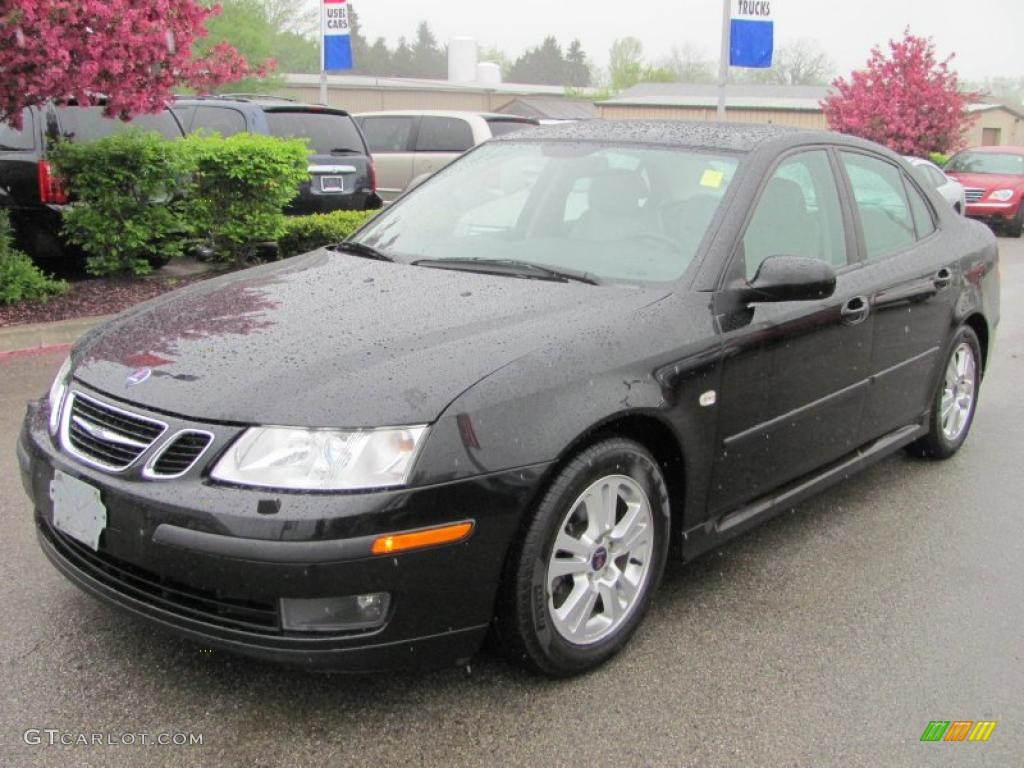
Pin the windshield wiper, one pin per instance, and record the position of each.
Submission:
(361, 249)
(510, 267)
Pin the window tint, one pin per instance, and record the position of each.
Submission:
(501, 127)
(89, 123)
(444, 134)
(15, 139)
(798, 214)
(326, 131)
(387, 134)
(222, 120)
(922, 212)
(881, 200)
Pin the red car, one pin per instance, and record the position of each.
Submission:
(993, 180)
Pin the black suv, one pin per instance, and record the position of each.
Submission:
(30, 192)
(342, 176)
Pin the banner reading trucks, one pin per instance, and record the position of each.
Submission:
(751, 33)
(337, 44)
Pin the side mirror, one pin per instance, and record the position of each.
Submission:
(791, 278)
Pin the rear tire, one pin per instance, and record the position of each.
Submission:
(581, 577)
(955, 399)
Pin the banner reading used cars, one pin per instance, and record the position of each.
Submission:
(751, 33)
(335, 30)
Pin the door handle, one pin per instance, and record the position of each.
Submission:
(943, 278)
(855, 310)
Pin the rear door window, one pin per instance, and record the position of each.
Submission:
(387, 133)
(444, 134)
(13, 139)
(326, 132)
(223, 120)
(89, 123)
(882, 203)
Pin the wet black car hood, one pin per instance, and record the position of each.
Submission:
(333, 340)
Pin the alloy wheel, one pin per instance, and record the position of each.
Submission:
(958, 391)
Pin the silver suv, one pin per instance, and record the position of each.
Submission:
(408, 144)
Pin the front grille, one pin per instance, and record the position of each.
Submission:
(179, 454)
(108, 437)
(972, 194)
(153, 589)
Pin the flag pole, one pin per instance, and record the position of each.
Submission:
(723, 62)
(323, 57)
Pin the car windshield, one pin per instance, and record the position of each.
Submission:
(987, 162)
(326, 132)
(89, 123)
(620, 213)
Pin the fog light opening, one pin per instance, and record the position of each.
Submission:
(335, 614)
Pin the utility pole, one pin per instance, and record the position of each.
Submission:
(723, 61)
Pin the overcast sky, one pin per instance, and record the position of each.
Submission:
(985, 34)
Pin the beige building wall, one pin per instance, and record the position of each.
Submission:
(995, 126)
(796, 118)
(374, 99)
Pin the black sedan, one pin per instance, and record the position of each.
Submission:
(508, 399)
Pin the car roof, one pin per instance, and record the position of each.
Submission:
(1005, 150)
(265, 103)
(445, 113)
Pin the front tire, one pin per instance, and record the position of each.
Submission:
(579, 581)
(1015, 226)
(955, 399)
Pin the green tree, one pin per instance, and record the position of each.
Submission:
(377, 61)
(428, 59)
(543, 65)
(625, 63)
(688, 65)
(402, 64)
(577, 68)
(801, 62)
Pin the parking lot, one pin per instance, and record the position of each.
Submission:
(831, 635)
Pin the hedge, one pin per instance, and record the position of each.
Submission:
(20, 279)
(307, 233)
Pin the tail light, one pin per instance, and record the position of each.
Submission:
(51, 187)
(371, 170)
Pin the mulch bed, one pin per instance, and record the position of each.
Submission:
(93, 296)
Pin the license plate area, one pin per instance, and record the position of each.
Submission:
(78, 509)
(333, 184)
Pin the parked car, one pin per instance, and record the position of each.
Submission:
(342, 176)
(31, 192)
(504, 403)
(412, 144)
(993, 180)
(950, 189)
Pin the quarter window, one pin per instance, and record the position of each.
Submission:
(444, 134)
(882, 203)
(798, 214)
(11, 139)
(923, 220)
(222, 120)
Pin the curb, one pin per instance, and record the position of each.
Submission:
(39, 338)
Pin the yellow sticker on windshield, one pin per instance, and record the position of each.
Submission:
(712, 179)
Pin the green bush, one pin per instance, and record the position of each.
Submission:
(128, 190)
(938, 158)
(241, 185)
(20, 279)
(307, 233)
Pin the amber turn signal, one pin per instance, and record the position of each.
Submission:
(425, 537)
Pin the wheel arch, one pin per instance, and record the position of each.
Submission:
(977, 323)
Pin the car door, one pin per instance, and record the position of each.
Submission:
(390, 138)
(439, 141)
(794, 374)
(912, 278)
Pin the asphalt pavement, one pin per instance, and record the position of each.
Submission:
(830, 636)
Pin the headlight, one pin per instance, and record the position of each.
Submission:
(1002, 195)
(321, 459)
(58, 389)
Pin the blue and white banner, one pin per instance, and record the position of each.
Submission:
(751, 33)
(335, 30)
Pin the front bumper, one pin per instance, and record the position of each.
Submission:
(198, 559)
(993, 213)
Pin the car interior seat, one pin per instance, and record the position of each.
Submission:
(614, 210)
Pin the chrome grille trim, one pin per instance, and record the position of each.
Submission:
(150, 471)
(105, 436)
(973, 194)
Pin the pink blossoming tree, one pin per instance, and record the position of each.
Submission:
(131, 53)
(907, 100)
